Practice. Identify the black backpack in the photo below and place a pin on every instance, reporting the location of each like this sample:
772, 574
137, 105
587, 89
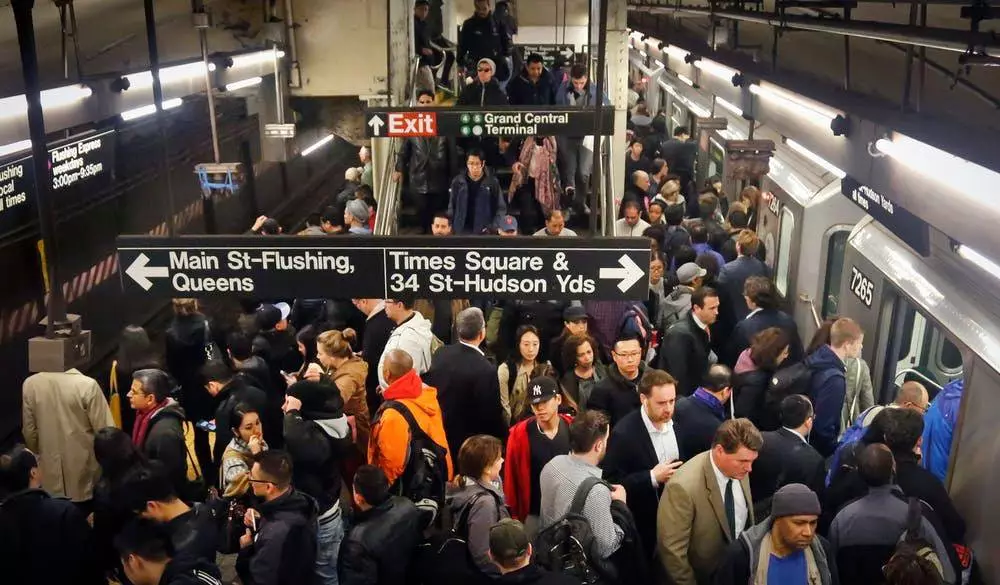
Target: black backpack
444, 558
568, 545
794, 379
425, 475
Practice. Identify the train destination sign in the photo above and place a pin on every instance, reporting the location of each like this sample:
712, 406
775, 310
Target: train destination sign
494, 122
906, 226
386, 267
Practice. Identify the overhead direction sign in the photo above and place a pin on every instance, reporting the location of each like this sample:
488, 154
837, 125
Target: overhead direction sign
500, 121
386, 267
907, 227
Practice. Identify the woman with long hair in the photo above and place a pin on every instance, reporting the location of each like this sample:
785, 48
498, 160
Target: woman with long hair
237, 459
476, 498
583, 370
754, 368
515, 373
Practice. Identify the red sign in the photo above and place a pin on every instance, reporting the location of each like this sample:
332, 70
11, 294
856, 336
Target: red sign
412, 124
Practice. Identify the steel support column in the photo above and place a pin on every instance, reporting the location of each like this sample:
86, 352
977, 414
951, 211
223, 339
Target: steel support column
154, 69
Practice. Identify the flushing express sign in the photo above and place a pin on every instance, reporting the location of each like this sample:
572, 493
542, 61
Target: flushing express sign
464, 123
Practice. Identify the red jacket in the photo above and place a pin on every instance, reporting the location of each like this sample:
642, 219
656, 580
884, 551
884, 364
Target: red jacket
517, 471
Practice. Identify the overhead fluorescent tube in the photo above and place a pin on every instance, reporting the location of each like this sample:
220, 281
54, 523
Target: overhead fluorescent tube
14, 148
815, 158
800, 106
171, 74
675, 52
244, 83
137, 113
715, 69
658, 63
257, 58
979, 260
729, 106
686, 80
17, 105
963, 175
318, 145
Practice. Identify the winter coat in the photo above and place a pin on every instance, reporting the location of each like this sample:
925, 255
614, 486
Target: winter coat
195, 533
939, 428
481, 95
732, 276
414, 337
514, 392
571, 385
60, 414
533, 574
284, 549
165, 441
517, 468
739, 563
827, 388
483, 38
487, 508
426, 162
462, 202
917, 482
350, 380
185, 355
749, 387
380, 545
615, 395
523, 92
685, 353
237, 391
317, 443
676, 305
758, 321
234, 469
389, 443
860, 395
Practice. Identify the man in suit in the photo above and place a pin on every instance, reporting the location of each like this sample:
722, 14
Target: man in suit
467, 384
734, 274
786, 456
707, 504
706, 409
686, 352
645, 450
762, 301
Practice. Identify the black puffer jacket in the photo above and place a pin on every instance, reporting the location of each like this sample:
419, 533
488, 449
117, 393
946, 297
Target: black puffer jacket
479, 94
426, 161
380, 546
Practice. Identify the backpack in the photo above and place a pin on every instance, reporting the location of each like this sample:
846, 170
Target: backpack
852, 435
425, 475
635, 323
791, 380
567, 546
444, 558
912, 539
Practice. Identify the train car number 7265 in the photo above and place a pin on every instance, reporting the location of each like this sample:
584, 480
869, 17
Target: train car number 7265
862, 286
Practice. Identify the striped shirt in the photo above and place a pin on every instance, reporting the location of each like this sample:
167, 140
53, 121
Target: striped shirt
559, 480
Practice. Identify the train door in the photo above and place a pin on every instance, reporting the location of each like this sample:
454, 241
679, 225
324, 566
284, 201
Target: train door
834, 251
918, 350
678, 116
778, 228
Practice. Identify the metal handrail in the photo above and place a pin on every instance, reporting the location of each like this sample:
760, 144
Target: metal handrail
805, 298
389, 190
902, 374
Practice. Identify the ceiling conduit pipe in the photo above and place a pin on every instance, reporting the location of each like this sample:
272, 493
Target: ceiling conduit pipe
931, 38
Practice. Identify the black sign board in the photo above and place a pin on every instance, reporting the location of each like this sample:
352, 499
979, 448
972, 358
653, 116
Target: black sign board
862, 286
386, 267
553, 55
17, 195
86, 161
906, 226
492, 122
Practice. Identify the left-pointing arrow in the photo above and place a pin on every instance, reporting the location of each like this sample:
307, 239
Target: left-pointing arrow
140, 271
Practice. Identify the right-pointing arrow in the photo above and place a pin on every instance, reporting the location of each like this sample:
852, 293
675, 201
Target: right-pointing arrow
140, 271
629, 273
376, 123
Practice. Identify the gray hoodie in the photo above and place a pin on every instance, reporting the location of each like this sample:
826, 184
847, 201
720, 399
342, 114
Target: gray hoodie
483, 514
413, 336
676, 305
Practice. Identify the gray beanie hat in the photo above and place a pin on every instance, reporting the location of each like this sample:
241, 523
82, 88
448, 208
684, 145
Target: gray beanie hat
795, 499
359, 209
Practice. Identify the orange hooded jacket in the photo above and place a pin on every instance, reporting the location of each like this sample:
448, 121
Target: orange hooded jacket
389, 441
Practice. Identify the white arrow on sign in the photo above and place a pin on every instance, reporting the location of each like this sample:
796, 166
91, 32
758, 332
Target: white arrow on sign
376, 123
141, 272
629, 273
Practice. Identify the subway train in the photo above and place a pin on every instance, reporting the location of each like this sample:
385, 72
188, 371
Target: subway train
928, 305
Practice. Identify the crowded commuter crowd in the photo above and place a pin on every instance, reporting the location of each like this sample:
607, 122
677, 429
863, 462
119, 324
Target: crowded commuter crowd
691, 439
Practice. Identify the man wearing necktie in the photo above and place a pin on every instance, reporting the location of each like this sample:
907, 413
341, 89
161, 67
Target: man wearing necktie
707, 504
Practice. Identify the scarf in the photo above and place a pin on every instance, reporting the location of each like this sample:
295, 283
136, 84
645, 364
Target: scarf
141, 426
706, 397
764, 559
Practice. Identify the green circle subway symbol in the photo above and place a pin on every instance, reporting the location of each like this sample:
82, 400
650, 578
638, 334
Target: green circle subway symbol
466, 118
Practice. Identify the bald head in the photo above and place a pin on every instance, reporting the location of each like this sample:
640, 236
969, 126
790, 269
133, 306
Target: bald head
912, 395
396, 364
641, 179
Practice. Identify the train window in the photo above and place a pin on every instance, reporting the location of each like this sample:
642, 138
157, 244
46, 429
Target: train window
951, 356
926, 355
785, 229
834, 271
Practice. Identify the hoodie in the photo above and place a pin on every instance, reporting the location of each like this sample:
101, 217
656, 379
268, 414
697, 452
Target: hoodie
676, 305
284, 548
413, 336
318, 441
827, 390
389, 442
485, 508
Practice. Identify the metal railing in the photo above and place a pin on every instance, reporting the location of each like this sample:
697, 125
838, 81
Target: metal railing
903, 373
389, 190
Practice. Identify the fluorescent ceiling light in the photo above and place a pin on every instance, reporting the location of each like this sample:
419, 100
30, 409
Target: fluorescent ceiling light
257, 58
815, 158
715, 69
979, 260
244, 83
807, 109
963, 175
17, 105
686, 80
14, 148
319, 144
171, 74
658, 63
675, 52
696, 109
729, 106
137, 113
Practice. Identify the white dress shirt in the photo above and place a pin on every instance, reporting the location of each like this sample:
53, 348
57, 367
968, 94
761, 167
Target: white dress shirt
664, 442
475, 347
796, 433
738, 498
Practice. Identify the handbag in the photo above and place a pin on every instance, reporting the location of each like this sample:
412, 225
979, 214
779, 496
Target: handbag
114, 396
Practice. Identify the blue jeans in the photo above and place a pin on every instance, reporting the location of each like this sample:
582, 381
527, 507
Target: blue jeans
328, 539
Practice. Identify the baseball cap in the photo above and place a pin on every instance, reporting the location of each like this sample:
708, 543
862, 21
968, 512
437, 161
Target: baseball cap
268, 316
542, 389
689, 272
508, 540
574, 313
508, 224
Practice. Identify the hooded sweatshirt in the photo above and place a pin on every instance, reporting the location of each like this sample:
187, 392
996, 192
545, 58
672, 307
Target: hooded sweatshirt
413, 336
389, 442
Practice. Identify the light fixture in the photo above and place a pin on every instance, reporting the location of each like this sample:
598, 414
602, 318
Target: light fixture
676, 52
806, 109
962, 175
317, 145
17, 105
170, 74
643, 53
732, 108
14, 148
815, 158
685, 79
146, 110
257, 58
978, 259
716, 70
244, 83
658, 63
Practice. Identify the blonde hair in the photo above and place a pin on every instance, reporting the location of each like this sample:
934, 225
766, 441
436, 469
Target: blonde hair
337, 343
185, 307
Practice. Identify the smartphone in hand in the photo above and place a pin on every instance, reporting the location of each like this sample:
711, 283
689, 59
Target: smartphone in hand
206, 425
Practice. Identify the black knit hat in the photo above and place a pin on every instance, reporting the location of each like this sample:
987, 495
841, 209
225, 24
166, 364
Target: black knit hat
320, 400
